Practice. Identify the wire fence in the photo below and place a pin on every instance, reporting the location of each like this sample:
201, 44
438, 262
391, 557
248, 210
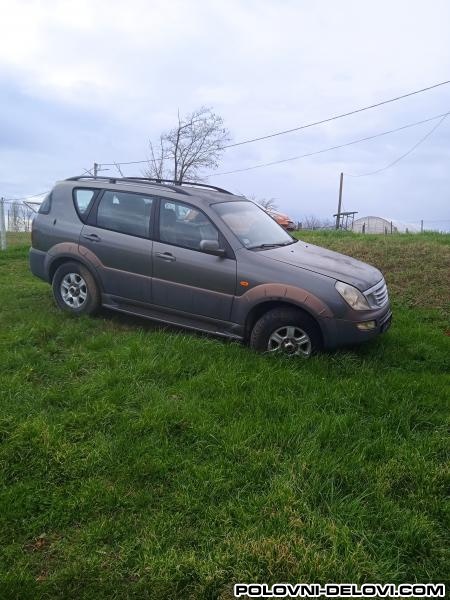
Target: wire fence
18, 216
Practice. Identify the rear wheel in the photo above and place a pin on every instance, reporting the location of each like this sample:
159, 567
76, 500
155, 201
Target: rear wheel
288, 331
75, 289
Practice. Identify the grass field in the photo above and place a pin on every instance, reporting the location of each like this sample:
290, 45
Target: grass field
142, 462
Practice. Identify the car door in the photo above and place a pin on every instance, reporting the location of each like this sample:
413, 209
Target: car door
184, 277
118, 234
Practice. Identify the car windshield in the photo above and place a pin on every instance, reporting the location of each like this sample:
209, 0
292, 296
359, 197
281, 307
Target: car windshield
252, 225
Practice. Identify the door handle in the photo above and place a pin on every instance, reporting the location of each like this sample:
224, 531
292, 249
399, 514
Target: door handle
166, 256
93, 237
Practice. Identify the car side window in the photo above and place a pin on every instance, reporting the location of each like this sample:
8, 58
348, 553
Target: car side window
125, 213
184, 225
83, 199
45, 205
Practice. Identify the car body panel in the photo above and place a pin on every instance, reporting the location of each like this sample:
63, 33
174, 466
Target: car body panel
192, 281
326, 262
124, 261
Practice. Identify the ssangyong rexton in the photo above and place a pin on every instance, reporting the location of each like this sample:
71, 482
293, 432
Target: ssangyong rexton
200, 257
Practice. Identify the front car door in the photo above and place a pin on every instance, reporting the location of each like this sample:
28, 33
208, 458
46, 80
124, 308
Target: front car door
118, 234
184, 277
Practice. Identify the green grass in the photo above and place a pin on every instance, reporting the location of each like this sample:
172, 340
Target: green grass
17, 238
143, 462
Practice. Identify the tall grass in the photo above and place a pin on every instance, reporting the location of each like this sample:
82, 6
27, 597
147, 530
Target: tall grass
143, 462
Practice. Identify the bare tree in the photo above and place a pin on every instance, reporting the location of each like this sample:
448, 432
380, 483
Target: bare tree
14, 217
19, 217
157, 161
117, 165
196, 143
313, 222
266, 203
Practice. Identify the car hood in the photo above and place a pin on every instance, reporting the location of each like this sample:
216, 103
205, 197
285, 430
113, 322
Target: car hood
326, 262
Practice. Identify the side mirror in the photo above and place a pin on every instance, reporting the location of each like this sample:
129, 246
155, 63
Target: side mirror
212, 247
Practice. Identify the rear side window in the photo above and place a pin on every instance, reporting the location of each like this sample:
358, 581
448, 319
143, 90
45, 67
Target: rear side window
125, 213
44, 208
83, 199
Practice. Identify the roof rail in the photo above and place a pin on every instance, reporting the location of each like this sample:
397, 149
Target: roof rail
168, 183
136, 180
188, 183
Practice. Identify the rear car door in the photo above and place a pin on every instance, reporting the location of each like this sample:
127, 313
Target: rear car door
184, 277
117, 232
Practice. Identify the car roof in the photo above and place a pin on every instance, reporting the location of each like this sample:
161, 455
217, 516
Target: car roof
204, 193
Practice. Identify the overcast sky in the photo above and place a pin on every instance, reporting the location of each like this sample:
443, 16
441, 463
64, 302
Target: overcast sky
93, 80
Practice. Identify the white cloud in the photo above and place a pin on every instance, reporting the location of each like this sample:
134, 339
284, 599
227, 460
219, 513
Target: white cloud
264, 66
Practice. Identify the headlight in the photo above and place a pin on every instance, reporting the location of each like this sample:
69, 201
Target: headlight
352, 296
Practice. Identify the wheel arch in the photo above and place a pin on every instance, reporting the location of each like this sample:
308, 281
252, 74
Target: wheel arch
260, 309
60, 259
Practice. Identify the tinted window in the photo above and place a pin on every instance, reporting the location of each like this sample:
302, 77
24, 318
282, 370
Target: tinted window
252, 225
125, 213
44, 208
184, 225
83, 200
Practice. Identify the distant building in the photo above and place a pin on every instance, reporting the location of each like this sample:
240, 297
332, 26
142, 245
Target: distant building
382, 225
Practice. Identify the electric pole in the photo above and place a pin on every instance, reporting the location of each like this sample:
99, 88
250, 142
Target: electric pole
95, 169
338, 216
2, 225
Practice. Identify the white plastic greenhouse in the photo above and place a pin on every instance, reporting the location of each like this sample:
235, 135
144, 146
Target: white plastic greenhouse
382, 225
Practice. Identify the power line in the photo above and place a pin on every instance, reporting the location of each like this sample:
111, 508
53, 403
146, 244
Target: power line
293, 158
397, 160
364, 139
131, 162
25, 197
300, 127
36, 195
347, 114
434, 221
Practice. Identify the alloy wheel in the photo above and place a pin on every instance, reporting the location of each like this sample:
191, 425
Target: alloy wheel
290, 340
73, 290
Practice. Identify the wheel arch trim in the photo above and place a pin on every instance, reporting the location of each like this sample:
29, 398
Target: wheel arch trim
67, 251
288, 295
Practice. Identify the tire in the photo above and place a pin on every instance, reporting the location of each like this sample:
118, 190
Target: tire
286, 330
75, 289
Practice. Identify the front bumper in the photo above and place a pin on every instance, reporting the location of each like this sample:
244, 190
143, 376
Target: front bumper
344, 332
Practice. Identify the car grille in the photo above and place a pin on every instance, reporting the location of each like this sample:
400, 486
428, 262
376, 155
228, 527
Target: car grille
378, 295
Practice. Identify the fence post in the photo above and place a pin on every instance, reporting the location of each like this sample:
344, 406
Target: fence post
2, 225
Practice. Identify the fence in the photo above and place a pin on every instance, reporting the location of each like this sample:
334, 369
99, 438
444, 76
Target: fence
15, 216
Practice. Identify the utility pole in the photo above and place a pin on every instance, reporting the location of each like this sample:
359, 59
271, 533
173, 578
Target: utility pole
95, 169
421, 226
338, 216
2, 225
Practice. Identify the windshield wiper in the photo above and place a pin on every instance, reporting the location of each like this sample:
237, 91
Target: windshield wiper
267, 246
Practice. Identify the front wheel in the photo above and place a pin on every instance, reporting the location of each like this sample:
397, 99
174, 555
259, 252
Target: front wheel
286, 331
75, 289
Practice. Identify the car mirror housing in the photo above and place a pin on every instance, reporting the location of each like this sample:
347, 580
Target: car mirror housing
212, 247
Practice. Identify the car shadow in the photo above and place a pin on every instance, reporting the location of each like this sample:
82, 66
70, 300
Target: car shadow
128, 322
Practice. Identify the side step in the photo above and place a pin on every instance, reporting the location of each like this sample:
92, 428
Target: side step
172, 319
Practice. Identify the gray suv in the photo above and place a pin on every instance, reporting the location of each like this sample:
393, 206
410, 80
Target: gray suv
197, 256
